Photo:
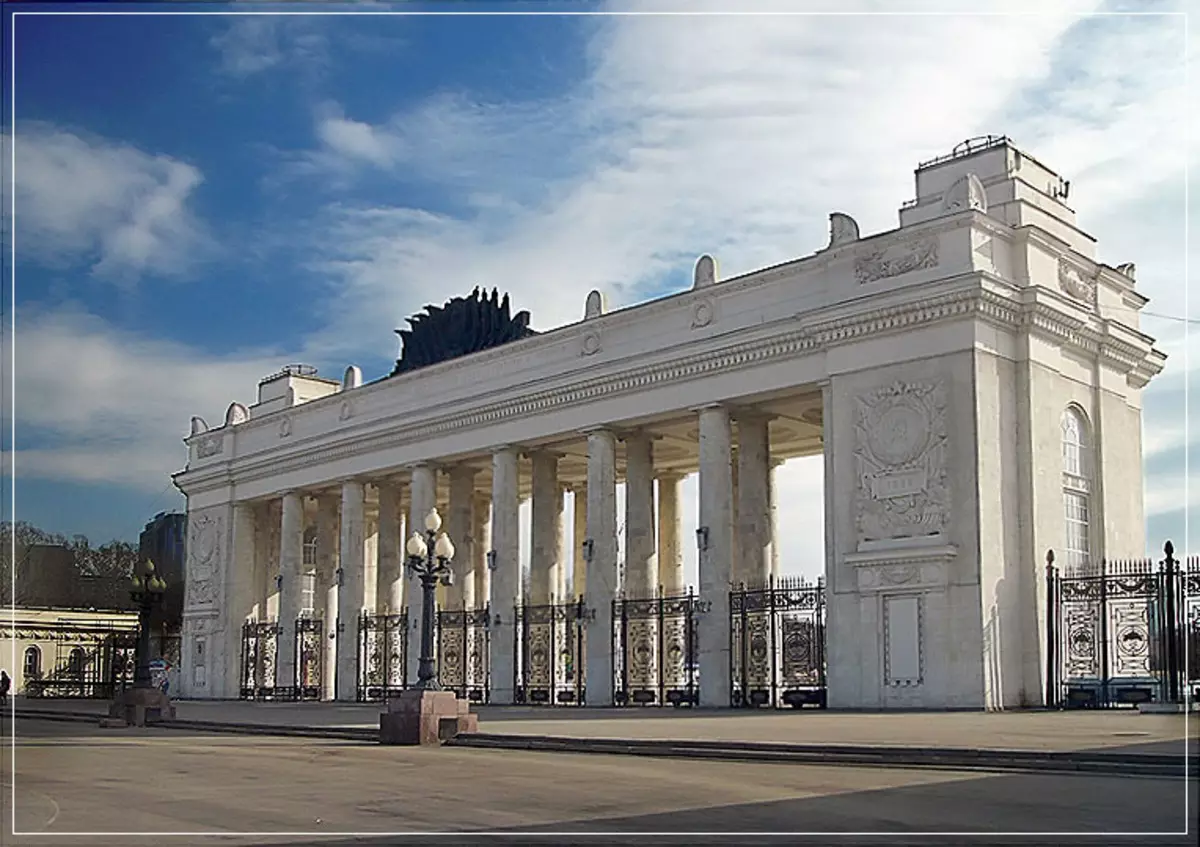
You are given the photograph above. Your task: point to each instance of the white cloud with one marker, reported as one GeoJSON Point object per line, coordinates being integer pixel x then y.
{"type": "Point", "coordinates": [738, 136]}
{"type": "Point", "coordinates": [95, 404]}
{"type": "Point", "coordinates": [249, 45]}
{"type": "Point", "coordinates": [118, 209]}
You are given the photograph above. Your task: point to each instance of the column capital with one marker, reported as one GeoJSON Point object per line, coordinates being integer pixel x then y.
{"type": "Point", "coordinates": [507, 448]}
{"type": "Point", "coordinates": [670, 476]}
{"type": "Point", "coordinates": [710, 407]}
{"type": "Point", "coordinates": [544, 452]}
{"type": "Point", "coordinates": [599, 429]}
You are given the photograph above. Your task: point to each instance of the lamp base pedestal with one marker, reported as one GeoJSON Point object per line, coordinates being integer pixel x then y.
{"type": "Point", "coordinates": [139, 706]}
{"type": "Point", "coordinates": [419, 717]}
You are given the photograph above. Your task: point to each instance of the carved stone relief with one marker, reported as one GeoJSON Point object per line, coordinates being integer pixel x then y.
{"type": "Point", "coordinates": [285, 427]}
{"type": "Point", "coordinates": [897, 260]}
{"type": "Point", "coordinates": [702, 313]}
{"type": "Point", "coordinates": [347, 411]}
{"type": "Point", "coordinates": [590, 344]}
{"type": "Point", "coordinates": [900, 460]}
{"type": "Point", "coordinates": [1075, 284]}
{"type": "Point", "coordinates": [211, 446]}
{"type": "Point", "coordinates": [202, 575]}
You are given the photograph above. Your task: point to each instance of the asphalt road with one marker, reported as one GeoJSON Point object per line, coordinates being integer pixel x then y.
{"type": "Point", "coordinates": [76, 778]}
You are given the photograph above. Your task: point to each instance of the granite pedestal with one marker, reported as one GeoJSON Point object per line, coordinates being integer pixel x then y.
{"type": "Point", "coordinates": [139, 706]}
{"type": "Point", "coordinates": [425, 717]}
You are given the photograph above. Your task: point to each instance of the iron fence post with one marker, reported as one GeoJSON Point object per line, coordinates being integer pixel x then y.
{"type": "Point", "coordinates": [1173, 624]}
{"type": "Point", "coordinates": [772, 622]}
{"type": "Point", "coordinates": [1051, 635]}
{"type": "Point", "coordinates": [1104, 658]}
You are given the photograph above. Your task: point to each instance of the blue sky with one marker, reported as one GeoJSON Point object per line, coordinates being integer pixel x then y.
{"type": "Point", "coordinates": [203, 198]}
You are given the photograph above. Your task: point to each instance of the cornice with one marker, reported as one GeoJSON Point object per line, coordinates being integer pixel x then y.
{"type": "Point", "coordinates": [969, 299]}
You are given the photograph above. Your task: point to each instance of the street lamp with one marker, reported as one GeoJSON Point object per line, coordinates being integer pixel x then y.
{"type": "Point", "coordinates": [429, 558]}
{"type": "Point", "coordinates": [147, 592]}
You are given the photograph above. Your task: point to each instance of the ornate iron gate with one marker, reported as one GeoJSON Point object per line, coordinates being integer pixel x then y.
{"type": "Point", "coordinates": [777, 644]}
{"type": "Point", "coordinates": [382, 656]}
{"type": "Point", "coordinates": [310, 657]}
{"type": "Point", "coordinates": [1118, 632]}
{"type": "Point", "coordinates": [259, 643]}
{"type": "Point", "coordinates": [463, 644]}
{"type": "Point", "coordinates": [654, 651]}
{"type": "Point", "coordinates": [549, 662]}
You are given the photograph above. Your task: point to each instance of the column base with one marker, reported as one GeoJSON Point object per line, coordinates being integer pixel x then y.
{"type": "Point", "coordinates": [425, 718]}
{"type": "Point", "coordinates": [139, 707]}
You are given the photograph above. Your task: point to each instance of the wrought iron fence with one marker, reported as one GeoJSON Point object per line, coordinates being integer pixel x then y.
{"type": "Point", "coordinates": [89, 663]}
{"type": "Point", "coordinates": [260, 642]}
{"type": "Point", "coordinates": [382, 656]}
{"type": "Point", "coordinates": [777, 644]}
{"type": "Point", "coordinates": [463, 648]}
{"type": "Point", "coordinates": [654, 650]}
{"type": "Point", "coordinates": [1118, 632]}
{"type": "Point", "coordinates": [310, 657]}
{"type": "Point", "coordinates": [549, 664]}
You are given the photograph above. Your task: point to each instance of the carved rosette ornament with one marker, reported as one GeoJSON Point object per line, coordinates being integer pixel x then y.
{"type": "Point", "coordinates": [1075, 283]}
{"type": "Point", "coordinates": [900, 460]}
{"type": "Point", "coordinates": [203, 571]}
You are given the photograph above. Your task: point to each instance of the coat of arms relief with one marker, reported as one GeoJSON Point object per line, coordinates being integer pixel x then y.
{"type": "Point", "coordinates": [900, 461]}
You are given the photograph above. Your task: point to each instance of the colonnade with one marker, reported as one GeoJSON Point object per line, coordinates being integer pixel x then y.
{"type": "Point", "coordinates": [359, 554]}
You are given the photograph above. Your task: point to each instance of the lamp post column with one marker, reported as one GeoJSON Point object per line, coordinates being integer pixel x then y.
{"type": "Point", "coordinates": [423, 500]}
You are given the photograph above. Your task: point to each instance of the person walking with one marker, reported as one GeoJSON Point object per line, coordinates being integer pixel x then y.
{"type": "Point", "coordinates": [5, 684]}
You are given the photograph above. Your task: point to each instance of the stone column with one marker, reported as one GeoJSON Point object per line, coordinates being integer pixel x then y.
{"type": "Point", "coordinates": [774, 520]}
{"type": "Point", "coordinates": [506, 579]}
{"type": "Point", "coordinates": [602, 570]}
{"type": "Point", "coordinates": [424, 498]}
{"type": "Point", "coordinates": [325, 601]}
{"type": "Point", "coordinates": [559, 582]}
{"type": "Point", "coordinates": [291, 563]}
{"type": "Point", "coordinates": [350, 589]}
{"type": "Point", "coordinates": [641, 557]}
{"type": "Point", "coordinates": [716, 554]}
{"type": "Point", "coordinates": [578, 562]}
{"type": "Point", "coordinates": [460, 525]}
{"type": "Point", "coordinates": [389, 568]}
{"type": "Point", "coordinates": [735, 565]}
{"type": "Point", "coordinates": [754, 500]}
{"type": "Point", "coordinates": [243, 607]}
{"type": "Point", "coordinates": [670, 526]}
{"type": "Point", "coordinates": [482, 533]}
{"type": "Point", "coordinates": [546, 521]}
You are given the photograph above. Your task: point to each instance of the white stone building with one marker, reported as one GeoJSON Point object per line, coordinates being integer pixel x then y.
{"type": "Point", "coordinates": [973, 378]}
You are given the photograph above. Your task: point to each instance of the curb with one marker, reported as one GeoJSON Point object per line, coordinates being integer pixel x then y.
{"type": "Point", "coordinates": [1117, 764]}
{"type": "Point", "coordinates": [944, 758]}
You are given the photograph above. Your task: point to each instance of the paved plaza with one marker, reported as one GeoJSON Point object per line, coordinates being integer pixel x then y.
{"type": "Point", "coordinates": [73, 777]}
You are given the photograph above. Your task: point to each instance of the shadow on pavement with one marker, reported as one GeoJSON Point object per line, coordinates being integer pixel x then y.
{"type": "Point", "coordinates": [994, 805]}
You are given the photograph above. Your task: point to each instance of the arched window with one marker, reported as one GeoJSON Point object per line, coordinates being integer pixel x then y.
{"type": "Point", "coordinates": [32, 667]}
{"type": "Point", "coordinates": [75, 662]}
{"type": "Point", "coordinates": [1076, 482]}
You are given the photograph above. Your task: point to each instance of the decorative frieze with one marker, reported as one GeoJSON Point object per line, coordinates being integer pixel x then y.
{"type": "Point", "coordinates": [900, 461]}
{"type": "Point", "coordinates": [920, 254]}
{"type": "Point", "coordinates": [1075, 283]}
{"type": "Point", "coordinates": [211, 446]}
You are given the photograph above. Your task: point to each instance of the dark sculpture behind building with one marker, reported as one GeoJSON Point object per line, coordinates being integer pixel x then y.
{"type": "Point", "coordinates": [464, 325]}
